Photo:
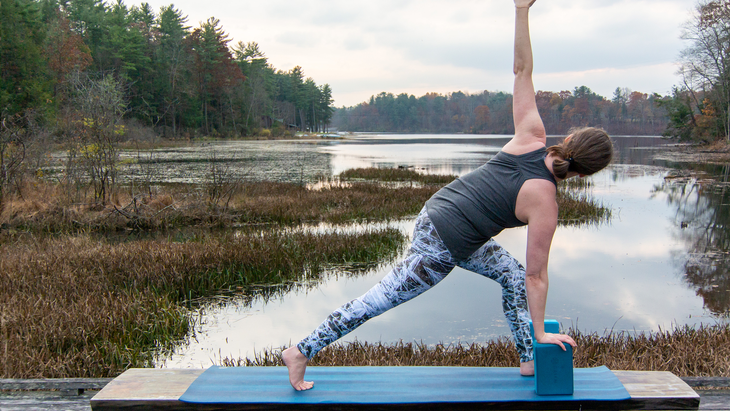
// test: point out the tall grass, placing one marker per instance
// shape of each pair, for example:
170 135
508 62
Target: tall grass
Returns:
394 174
684 351
44 208
576 205
84 307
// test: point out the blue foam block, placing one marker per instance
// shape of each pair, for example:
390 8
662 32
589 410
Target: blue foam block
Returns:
393 385
553 369
553 366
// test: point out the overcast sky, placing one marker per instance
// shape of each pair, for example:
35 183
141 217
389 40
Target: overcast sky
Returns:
361 48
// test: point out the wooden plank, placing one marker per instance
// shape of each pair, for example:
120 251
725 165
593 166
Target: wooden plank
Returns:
714 400
146 388
159 389
653 390
44 400
54 384
709 382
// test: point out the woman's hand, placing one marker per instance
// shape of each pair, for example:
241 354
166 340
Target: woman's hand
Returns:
524 4
557 339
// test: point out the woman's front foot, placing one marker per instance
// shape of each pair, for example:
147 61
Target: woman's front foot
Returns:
527 368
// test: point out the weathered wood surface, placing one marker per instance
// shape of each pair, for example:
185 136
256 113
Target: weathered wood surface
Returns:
145 388
707 382
134 390
37 394
45 401
67 385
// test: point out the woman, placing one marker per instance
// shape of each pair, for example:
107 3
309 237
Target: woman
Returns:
515 188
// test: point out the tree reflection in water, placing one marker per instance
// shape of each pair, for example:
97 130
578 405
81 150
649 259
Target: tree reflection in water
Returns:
702 223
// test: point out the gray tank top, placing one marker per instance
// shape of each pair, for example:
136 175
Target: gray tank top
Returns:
479 205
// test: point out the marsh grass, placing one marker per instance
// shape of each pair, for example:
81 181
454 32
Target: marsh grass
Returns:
42 208
684 351
577 206
84 307
394 174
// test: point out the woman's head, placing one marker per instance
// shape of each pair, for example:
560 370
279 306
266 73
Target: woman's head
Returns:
585 151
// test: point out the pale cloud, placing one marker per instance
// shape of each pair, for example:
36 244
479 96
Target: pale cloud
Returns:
362 48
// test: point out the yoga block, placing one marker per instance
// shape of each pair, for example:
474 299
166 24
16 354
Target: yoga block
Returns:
553 366
553 369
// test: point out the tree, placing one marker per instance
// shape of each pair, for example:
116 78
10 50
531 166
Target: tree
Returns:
88 19
96 131
705 63
481 114
24 81
256 93
66 52
215 73
171 61
12 152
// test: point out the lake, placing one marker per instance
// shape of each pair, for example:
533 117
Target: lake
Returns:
659 263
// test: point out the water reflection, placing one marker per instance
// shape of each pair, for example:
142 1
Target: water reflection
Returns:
702 223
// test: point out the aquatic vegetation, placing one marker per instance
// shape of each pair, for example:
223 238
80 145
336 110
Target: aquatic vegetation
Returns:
394 174
44 207
77 306
665 350
576 205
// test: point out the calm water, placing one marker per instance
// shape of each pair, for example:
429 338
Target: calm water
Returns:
660 262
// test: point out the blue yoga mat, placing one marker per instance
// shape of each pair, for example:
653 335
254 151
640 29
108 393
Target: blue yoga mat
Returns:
391 385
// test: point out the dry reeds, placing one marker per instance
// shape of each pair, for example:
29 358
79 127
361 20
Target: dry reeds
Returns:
43 208
684 351
84 307
394 174
577 207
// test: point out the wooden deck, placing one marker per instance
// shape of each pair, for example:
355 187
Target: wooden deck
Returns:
662 391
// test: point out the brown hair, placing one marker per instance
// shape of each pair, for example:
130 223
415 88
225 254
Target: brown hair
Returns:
588 150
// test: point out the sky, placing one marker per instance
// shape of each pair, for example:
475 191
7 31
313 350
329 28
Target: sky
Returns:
361 48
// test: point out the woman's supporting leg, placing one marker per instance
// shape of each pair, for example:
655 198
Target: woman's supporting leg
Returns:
427 262
493 261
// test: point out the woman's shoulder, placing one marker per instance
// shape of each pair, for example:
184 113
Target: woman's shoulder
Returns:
516 149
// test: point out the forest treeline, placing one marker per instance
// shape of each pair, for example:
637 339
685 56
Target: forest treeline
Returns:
177 79
696 110
628 112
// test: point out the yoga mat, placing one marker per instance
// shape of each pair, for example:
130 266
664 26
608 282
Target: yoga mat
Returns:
391 385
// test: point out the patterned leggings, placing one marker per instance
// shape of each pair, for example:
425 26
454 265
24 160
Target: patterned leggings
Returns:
428 262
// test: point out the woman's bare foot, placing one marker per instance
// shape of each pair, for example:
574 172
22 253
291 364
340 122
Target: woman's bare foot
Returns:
296 362
527 368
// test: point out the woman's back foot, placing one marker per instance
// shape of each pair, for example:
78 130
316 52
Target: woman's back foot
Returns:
296 363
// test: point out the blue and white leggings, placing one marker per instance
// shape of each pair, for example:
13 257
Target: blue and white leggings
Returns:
427 262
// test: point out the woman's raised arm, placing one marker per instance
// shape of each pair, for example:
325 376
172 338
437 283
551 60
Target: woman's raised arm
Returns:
528 124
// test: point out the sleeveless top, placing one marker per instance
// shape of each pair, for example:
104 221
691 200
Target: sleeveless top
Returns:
479 205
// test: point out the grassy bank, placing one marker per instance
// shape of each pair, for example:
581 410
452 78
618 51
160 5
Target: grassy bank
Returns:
686 351
43 207
394 174
576 205
84 307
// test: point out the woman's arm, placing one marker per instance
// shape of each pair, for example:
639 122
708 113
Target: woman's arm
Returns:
537 206
528 124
